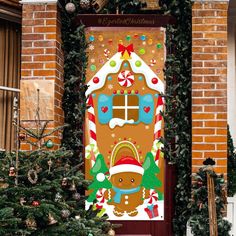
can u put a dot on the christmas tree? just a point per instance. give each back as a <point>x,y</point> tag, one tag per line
<point>42,191</point>
<point>49,198</point>
<point>150,180</point>
<point>100,180</point>
<point>199,220</point>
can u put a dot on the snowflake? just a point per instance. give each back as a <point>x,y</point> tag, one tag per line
<point>110,86</point>
<point>91,47</point>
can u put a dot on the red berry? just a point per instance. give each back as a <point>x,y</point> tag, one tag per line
<point>136,91</point>
<point>129,92</point>
<point>122,91</point>
<point>114,92</point>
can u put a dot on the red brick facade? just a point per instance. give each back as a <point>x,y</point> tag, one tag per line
<point>209,83</point>
<point>42,57</point>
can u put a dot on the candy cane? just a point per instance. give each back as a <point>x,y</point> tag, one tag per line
<point>92,132</point>
<point>92,124</point>
<point>106,53</point>
<point>157,129</point>
<point>153,62</point>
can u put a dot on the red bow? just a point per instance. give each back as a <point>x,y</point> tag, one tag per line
<point>122,49</point>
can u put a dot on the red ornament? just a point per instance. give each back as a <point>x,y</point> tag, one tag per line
<point>114,92</point>
<point>96,80</point>
<point>136,91</point>
<point>35,203</point>
<point>154,80</point>
<point>199,183</point>
<point>122,91</point>
<point>129,92</point>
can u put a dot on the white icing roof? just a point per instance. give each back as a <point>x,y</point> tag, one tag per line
<point>143,69</point>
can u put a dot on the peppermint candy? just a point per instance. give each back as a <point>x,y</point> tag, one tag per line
<point>106,53</point>
<point>100,196</point>
<point>153,197</point>
<point>126,78</point>
<point>152,62</point>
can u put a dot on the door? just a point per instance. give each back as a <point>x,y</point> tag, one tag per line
<point>131,181</point>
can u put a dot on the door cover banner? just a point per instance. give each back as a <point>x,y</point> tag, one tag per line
<point>123,122</point>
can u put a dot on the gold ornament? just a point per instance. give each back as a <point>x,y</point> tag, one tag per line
<point>111,232</point>
<point>31,223</point>
<point>51,219</point>
<point>98,5</point>
<point>85,4</point>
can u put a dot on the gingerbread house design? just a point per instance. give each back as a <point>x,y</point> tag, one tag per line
<point>124,113</point>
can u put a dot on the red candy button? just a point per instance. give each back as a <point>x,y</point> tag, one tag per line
<point>95,80</point>
<point>154,80</point>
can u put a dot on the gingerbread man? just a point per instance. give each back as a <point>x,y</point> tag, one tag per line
<point>126,193</point>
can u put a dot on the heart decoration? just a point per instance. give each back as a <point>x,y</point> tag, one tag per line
<point>146,109</point>
<point>104,109</point>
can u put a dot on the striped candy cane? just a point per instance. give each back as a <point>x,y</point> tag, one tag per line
<point>157,129</point>
<point>158,118</point>
<point>106,53</point>
<point>153,62</point>
<point>92,148</point>
<point>92,125</point>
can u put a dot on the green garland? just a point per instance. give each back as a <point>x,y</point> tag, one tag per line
<point>178,107</point>
<point>231,167</point>
<point>178,93</point>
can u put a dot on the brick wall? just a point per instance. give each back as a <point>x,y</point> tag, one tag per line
<point>42,57</point>
<point>209,83</point>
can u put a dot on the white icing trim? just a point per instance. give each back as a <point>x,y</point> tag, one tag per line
<point>126,168</point>
<point>37,1</point>
<point>143,69</point>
